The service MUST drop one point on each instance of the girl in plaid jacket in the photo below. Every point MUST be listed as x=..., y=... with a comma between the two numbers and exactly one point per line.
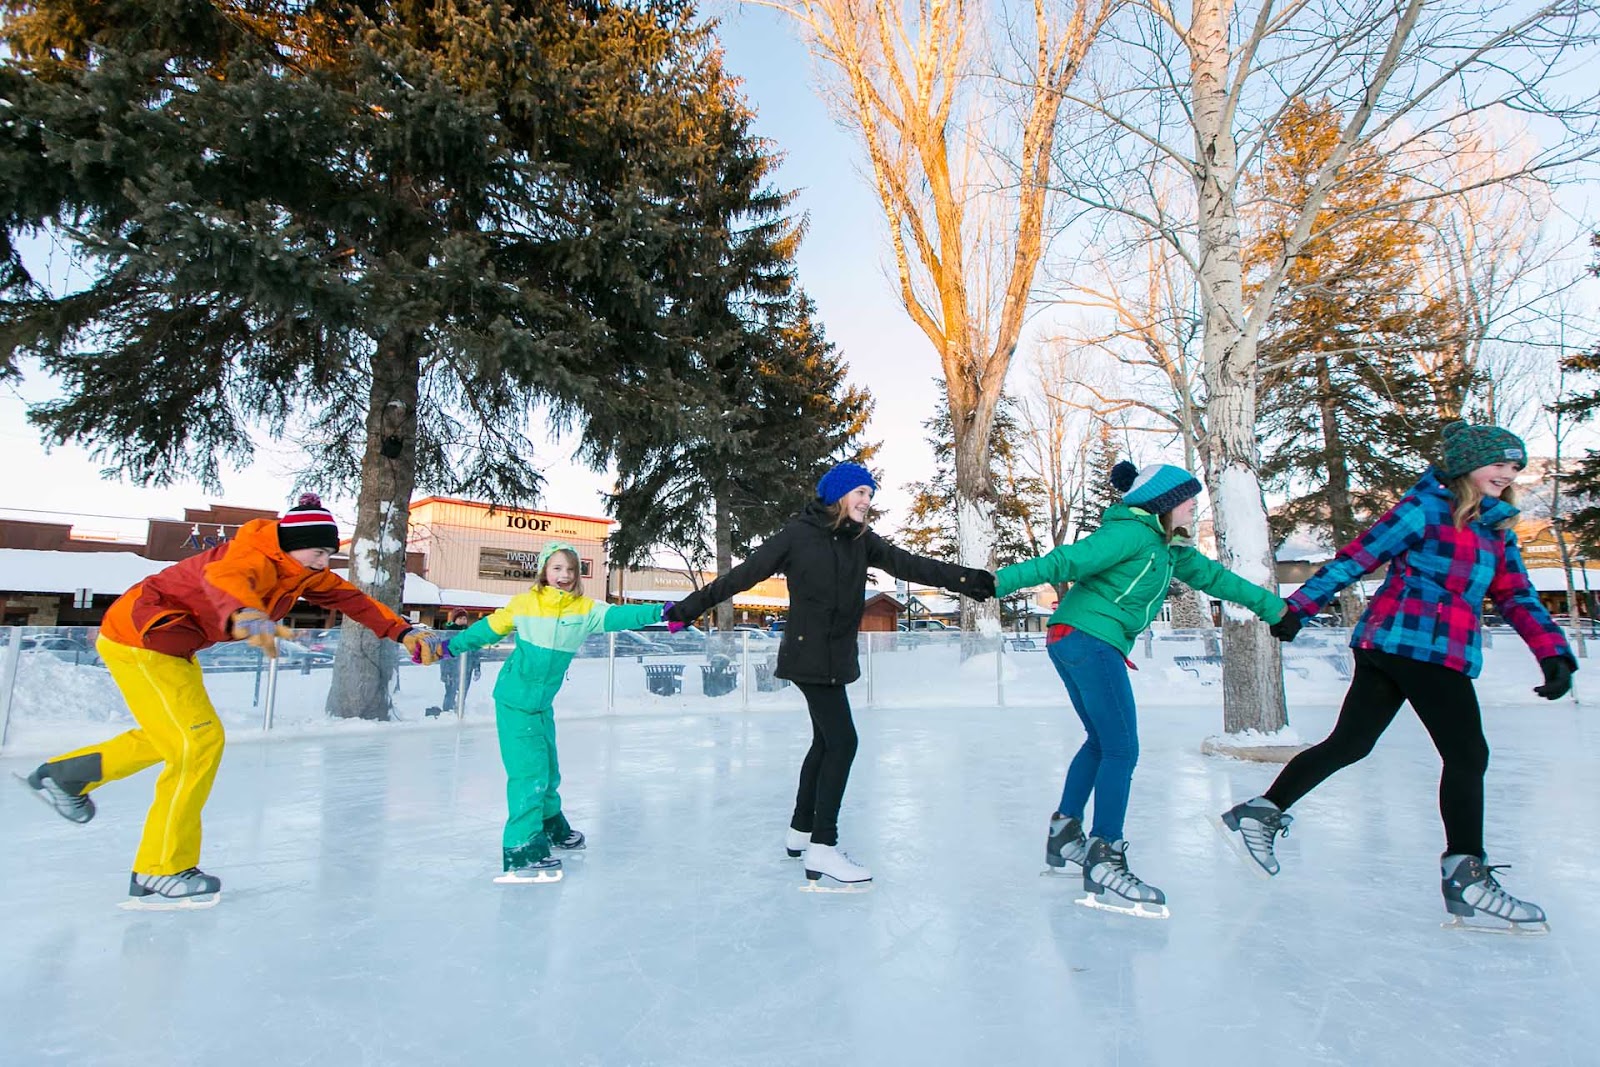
x=1449, y=545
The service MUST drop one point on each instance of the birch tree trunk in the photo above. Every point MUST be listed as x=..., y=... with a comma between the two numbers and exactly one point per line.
x=363, y=668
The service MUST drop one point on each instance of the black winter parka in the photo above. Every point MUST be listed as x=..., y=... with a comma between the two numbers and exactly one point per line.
x=827, y=572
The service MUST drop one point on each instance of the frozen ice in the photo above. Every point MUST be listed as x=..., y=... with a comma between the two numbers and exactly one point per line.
x=360, y=924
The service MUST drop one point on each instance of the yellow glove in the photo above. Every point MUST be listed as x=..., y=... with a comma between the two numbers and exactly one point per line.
x=257, y=628
x=426, y=646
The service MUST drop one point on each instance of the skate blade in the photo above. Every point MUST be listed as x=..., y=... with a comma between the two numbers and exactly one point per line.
x=160, y=903
x=1067, y=870
x=1236, y=844
x=829, y=885
x=512, y=878
x=1485, y=924
x=1137, y=910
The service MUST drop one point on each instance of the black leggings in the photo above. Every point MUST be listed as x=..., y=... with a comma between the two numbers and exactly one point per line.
x=1447, y=705
x=826, y=768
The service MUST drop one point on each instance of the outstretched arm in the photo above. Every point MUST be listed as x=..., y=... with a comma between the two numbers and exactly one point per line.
x=1066, y=563
x=1513, y=596
x=1193, y=568
x=925, y=570
x=763, y=563
x=1401, y=527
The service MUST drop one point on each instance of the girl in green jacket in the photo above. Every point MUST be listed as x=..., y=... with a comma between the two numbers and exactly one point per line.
x=551, y=620
x=1119, y=575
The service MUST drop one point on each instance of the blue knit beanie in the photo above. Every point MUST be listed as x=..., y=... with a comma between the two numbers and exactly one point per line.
x=842, y=480
x=1157, y=488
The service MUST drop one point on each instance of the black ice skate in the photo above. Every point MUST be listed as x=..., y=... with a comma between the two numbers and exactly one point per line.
x=1252, y=829
x=529, y=863
x=1110, y=886
x=1066, y=846
x=185, y=890
x=66, y=799
x=1473, y=897
x=562, y=835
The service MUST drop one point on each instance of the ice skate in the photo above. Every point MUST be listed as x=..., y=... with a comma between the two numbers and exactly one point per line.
x=562, y=835
x=796, y=842
x=828, y=870
x=1066, y=846
x=69, y=805
x=1252, y=830
x=545, y=870
x=1475, y=901
x=190, y=889
x=1110, y=886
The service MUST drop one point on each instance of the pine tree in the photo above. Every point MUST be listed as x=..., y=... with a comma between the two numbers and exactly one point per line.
x=930, y=525
x=766, y=409
x=1346, y=415
x=1098, y=492
x=390, y=231
x=1583, y=481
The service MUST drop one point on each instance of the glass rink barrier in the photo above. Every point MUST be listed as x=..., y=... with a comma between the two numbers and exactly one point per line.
x=55, y=691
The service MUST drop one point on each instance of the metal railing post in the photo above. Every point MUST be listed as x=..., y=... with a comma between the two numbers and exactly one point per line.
x=744, y=671
x=272, y=693
x=1000, y=671
x=8, y=678
x=611, y=672
x=461, y=687
x=872, y=682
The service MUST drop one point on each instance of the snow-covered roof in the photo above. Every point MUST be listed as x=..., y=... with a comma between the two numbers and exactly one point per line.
x=1554, y=579
x=31, y=570
x=472, y=598
x=418, y=590
x=741, y=600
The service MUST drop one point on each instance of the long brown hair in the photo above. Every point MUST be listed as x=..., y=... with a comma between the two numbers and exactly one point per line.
x=1468, y=501
x=837, y=517
x=1171, y=531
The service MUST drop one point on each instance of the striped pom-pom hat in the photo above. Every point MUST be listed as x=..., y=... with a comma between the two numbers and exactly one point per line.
x=308, y=525
x=1158, y=488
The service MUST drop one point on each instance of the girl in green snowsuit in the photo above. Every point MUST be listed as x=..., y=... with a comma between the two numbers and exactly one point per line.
x=551, y=620
x=1119, y=575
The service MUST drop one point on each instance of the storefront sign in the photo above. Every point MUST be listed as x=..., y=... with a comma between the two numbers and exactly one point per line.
x=515, y=564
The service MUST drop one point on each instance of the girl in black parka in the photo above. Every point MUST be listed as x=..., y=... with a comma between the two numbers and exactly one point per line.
x=825, y=552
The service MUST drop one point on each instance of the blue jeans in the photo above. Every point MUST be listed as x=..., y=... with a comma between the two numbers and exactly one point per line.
x=1096, y=676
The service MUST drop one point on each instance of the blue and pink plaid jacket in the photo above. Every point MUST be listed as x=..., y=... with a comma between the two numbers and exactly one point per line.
x=1430, y=605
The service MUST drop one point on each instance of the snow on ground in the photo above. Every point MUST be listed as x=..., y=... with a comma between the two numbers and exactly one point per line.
x=360, y=925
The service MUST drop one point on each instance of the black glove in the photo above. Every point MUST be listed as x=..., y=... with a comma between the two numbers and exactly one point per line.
x=1557, y=677
x=979, y=585
x=1286, y=628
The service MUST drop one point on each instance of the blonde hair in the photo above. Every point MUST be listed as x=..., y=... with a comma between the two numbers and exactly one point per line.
x=1468, y=501
x=541, y=581
x=837, y=516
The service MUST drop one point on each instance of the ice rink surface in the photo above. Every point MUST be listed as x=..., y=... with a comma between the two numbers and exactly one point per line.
x=359, y=924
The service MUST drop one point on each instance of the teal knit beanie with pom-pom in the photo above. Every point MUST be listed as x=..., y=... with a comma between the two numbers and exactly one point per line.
x=1158, y=488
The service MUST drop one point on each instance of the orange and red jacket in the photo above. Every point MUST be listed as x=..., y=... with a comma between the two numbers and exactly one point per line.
x=187, y=607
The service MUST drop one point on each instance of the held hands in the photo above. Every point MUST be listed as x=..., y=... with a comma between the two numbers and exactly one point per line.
x=426, y=646
x=1287, y=627
x=255, y=627
x=1557, y=677
x=667, y=615
x=976, y=584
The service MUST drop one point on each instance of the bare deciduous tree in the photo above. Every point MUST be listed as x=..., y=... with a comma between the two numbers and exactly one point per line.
x=1196, y=92
x=959, y=143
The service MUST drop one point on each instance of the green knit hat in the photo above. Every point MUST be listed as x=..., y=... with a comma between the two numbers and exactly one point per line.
x=1468, y=447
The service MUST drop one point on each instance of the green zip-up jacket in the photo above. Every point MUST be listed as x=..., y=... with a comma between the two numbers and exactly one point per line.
x=550, y=626
x=1120, y=574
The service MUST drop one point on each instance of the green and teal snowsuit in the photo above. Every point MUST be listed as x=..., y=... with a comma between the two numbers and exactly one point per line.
x=550, y=627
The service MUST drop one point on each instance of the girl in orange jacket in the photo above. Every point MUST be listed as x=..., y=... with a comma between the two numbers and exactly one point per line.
x=235, y=592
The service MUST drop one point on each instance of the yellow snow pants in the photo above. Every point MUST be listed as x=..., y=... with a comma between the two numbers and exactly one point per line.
x=177, y=727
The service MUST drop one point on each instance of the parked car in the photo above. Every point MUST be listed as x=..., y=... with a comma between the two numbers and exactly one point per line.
x=68, y=649
x=926, y=625
x=691, y=639
x=629, y=643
